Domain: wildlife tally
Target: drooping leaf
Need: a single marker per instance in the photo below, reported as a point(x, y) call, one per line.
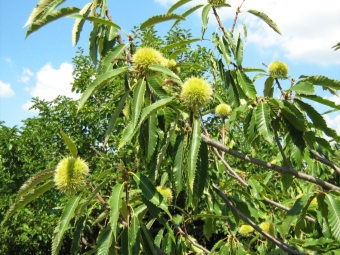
point(180, 43)
point(42, 7)
point(178, 163)
point(193, 153)
point(156, 88)
point(303, 87)
point(70, 144)
point(79, 23)
point(52, 16)
point(148, 243)
point(115, 203)
point(77, 235)
point(29, 197)
point(333, 205)
point(93, 44)
point(101, 217)
point(224, 48)
point(239, 51)
point(263, 121)
point(164, 70)
point(322, 100)
point(187, 13)
point(99, 83)
point(138, 96)
point(177, 5)
point(205, 18)
point(160, 18)
point(268, 87)
point(108, 60)
point(246, 84)
point(104, 240)
point(202, 171)
point(322, 81)
point(62, 226)
point(266, 19)
point(231, 40)
point(152, 136)
point(96, 20)
point(134, 235)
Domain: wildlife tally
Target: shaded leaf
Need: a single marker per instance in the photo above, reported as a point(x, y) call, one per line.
point(268, 87)
point(138, 96)
point(95, 20)
point(333, 204)
point(115, 203)
point(178, 163)
point(322, 100)
point(164, 70)
point(104, 241)
point(193, 153)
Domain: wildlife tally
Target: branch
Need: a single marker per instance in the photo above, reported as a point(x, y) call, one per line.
point(280, 244)
point(280, 169)
point(325, 161)
point(236, 16)
point(191, 240)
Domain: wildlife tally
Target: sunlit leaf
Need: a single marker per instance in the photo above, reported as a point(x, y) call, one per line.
point(115, 203)
point(160, 18)
point(205, 18)
point(78, 24)
point(266, 19)
point(194, 149)
point(303, 87)
point(70, 144)
point(333, 205)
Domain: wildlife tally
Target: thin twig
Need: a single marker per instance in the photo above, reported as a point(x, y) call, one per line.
point(191, 240)
point(325, 161)
point(280, 244)
point(238, 10)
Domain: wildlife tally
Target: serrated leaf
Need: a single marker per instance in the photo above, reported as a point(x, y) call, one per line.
point(104, 241)
point(177, 5)
point(336, 46)
point(322, 81)
point(52, 16)
point(70, 144)
point(156, 88)
point(178, 163)
point(93, 46)
point(96, 20)
point(253, 69)
point(246, 84)
point(148, 243)
point(239, 51)
point(175, 53)
point(180, 43)
point(40, 9)
point(224, 48)
point(333, 204)
point(266, 19)
point(152, 136)
point(231, 40)
point(79, 23)
point(101, 217)
point(187, 13)
point(163, 70)
point(205, 18)
point(303, 87)
point(150, 192)
point(202, 170)
point(160, 18)
point(76, 235)
point(115, 203)
point(268, 87)
point(263, 121)
point(208, 228)
point(193, 153)
point(138, 96)
point(98, 83)
point(29, 197)
point(117, 51)
point(134, 236)
point(322, 100)
point(64, 220)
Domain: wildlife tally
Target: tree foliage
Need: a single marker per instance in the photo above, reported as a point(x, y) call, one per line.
point(171, 179)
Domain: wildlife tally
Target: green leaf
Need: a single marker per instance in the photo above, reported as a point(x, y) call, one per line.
point(138, 96)
point(187, 13)
point(205, 18)
point(79, 23)
point(52, 16)
point(179, 44)
point(263, 121)
point(115, 203)
point(115, 116)
point(99, 83)
point(160, 18)
point(202, 171)
point(322, 81)
point(322, 100)
point(109, 59)
point(77, 235)
point(239, 51)
point(152, 136)
point(333, 204)
point(253, 69)
point(266, 19)
point(303, 87)
point(127, 135)
point(178, 163)
point(164, 70)
point(150, 192)
point(148, 243)
point(175, 53)
point(64, 220)
point(336, 46)
point(42, 7)
point(104, 241)
point(156, 88)
point(134, 236)
point(224, 48)
point(193, 153)
point(268, 87)
point(208, 229)
point(177, 5)
point(70, 144)
point(95, 20)
point(29, 197)
point(246, 84)
point(93, 44)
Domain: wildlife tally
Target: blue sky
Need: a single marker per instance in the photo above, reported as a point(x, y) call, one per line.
point(41, 64)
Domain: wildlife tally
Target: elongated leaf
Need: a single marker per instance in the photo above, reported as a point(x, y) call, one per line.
point(33, 181)
point(117, 52)
point(268, 87)
point(253, 69)
point(93, 44)
point(76, 235)
point(115, 116)
point(336, 46)
point(64, 220)
point(202, 171)
point(177, 5)
point(224, 48)
point(148, 243)
point(263, 121)
point(246, 84)
point(104, 241)
point(194, 148)
point(178, 164)
point(160, 18)
point(187, 13)
point(164, 70)
point(138, 96)
point(52, 16)
point(115, 204)
point(152, 136)
point(175, 53)
point(99, 83)
point(128, 133)
point(180, 43)
point(239, 51)
point(101, 217)
point(322, 100)
point(134, 236)
point(29, 197)
point(266, 19)
point(95, 20)
point(40, 9)
point(79, 23)
point(70, 144)
point(333, 204)
point(150, 192)
point(156, 88)
point(322, 81)
point(303, 87)
point(205, 18)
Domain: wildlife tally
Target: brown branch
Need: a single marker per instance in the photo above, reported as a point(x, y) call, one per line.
point(96, 151)
point(284, 95)
point(280, 169)
point(279, 243)
point(236, 16)
point(218, 20)
point(325, 161)
point(101, 200)
point(191, 240)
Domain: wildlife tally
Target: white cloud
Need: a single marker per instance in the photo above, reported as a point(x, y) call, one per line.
point(335, 99)
point(9, 60)
point(333, 123)
point(53, 82)
point(6, 90)
point(27, 107)
point(26, 74)
point(165, 2)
